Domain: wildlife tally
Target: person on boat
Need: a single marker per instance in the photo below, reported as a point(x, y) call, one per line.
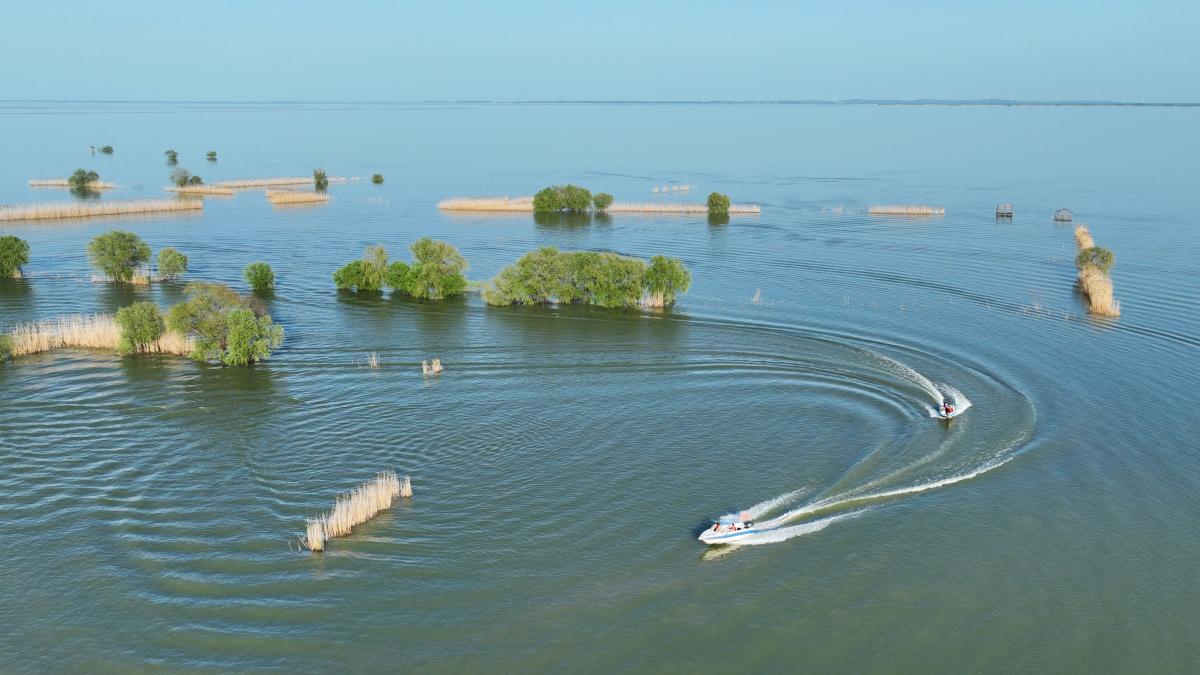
point(947, 409)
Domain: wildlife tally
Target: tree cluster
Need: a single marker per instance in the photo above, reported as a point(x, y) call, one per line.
point(606, 279)
point(435, 273)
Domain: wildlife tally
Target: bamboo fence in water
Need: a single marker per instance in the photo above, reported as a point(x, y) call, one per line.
point(47, 210)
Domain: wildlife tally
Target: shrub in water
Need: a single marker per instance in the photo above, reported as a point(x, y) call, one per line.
point(604, 279)
point(224, 325)
point(260, 276)
point(602, 201)
point(366, 275)
point(562, 198)
point(14, 252)
point(6, 346)
point(436, 271)
point(180, 177)
point(664, 279)
point(211, 155)
point(1097, 257)
point(82, 178)
point(172, 157)
point(377, 178)
point(320, 180)
point(718, 204)
point(107, 149)
point(171, 263)
point(141, 325)
point(118, 254)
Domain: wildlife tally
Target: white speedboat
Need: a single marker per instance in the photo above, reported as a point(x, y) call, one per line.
point(728, 530)
point(943, 415)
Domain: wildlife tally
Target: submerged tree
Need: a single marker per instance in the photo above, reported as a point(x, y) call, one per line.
point(224, 325)
point(118, 254)
point(14, 252)
point(172, 157)
point(1096, 256)
point(605, 279)
point(718, 204)
point(435, 273)
point(211, 155)
point(82, 178)
point(171, 263)
point(141, 326)
point(260, 276)
point(602, 200)
point(562, 198)
point(106, 149)
point(665, 278)
point(377, 178)
point(320, 180)
point(6, 346)
point(183, 178)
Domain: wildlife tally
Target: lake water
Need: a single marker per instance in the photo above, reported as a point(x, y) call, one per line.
point(565, 461)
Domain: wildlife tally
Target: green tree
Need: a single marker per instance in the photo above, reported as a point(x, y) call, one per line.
point(436, 271)
point(718, 204)
point(562, 198)
point(107, 149)
point(172, 157)
point(548, 275)
point(602, 200)
point(665, 278)
point(224, 325)
point(260, 276)
point(171, 263)
point(320, 180)
point(14, 252)
point(377, 178)
point(181, 177)
point(6, 346)
point(1096, 256)
point(118, 254)
point(211, 155)
point(141, 326)
point(82, 178)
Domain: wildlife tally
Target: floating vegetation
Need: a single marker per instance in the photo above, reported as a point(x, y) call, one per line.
point(47, 210)
point(355, 508)
point(296, 197)
point(906, 210)
point(83, 331)
point(1094, 263)
point(272, 182)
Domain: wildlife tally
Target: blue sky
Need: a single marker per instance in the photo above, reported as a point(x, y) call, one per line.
point(302, 50)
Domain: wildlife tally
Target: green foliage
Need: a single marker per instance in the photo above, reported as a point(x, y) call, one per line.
point(602, 200)
point(195, 180)
point(107, 149)
point(251, 338)
point(82, 178)
point(665, 278)
point(118, 254)
point(180, 177)
point(320, 180)
point(399, 276)
point(224, 326)
point(6, 346)
point(141, 325)
point(14, 252)
point(364, 276)
point(718, 204)
point(171, 263)
point(605, 279)
point(377, 178)
point(1096, 256)
point(436, 271)
point(211, 155)
point(172, 157)
point(260, 276)
point(562, 198)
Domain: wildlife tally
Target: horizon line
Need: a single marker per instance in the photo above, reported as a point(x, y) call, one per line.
point(996, 102)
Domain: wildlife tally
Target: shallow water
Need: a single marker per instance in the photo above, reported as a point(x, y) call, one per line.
point(567, 458)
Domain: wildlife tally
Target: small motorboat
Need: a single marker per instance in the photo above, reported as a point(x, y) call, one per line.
point(728, 530)
point(948, 412)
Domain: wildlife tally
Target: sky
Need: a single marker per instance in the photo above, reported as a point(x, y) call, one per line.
point(362, 50)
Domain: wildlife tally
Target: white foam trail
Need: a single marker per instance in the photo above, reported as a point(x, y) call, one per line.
point(779, 534)
point(755, 512)
point(913, 376)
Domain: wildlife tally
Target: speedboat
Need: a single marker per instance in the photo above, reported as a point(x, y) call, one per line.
point(728, 530)
point(943, 415)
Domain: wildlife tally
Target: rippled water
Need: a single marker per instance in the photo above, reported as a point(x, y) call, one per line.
point(567, 458)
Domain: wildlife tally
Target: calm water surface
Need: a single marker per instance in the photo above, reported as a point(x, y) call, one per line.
point(565, 461)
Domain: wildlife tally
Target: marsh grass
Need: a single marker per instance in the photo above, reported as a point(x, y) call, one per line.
point(1098, 287)
point(84, 331)
point(48, 210)
point(296, 197)
point(906, 210)
point(525, 205)
point(356, 507)
point(63, 182)
point(201, 190)
point(1083, 238)
point(271, 182)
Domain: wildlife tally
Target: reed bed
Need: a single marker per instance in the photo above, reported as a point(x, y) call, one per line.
point(63, 182)
point(1098, 288)
point(355, 508)
point(201, 190)
point(296, 197)
point(525, 205)
point(906, 210)
point(272, 182)
point(1083, 238)
point(47, 210)
point(487, 204)
point(84, 331)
